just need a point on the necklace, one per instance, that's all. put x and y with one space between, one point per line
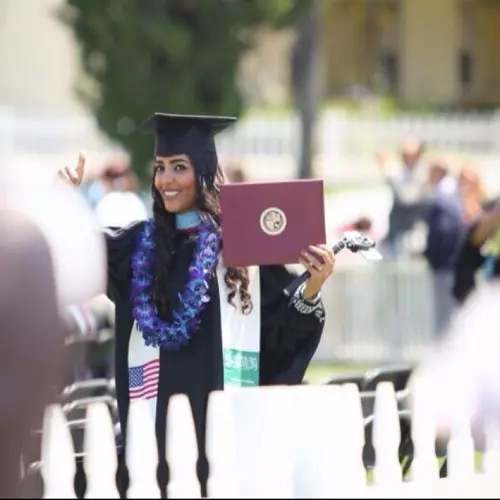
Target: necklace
186 317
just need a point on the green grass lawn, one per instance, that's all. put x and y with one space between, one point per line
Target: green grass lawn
333 189
320 370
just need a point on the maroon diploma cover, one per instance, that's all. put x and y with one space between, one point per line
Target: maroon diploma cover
271 222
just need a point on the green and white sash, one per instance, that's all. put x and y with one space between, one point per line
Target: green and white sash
240 345
240 333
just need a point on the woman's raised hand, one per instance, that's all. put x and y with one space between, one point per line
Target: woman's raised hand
319 260
74 176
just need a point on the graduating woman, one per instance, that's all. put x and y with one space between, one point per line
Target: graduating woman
184 323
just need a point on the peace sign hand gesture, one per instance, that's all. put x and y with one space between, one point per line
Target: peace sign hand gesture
74 176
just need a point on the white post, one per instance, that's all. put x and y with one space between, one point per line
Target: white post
354 437
461 447
141 452
100 453
221 448
386 436
181 449
425 466
263 419
7 127
317 435
58 455
491 459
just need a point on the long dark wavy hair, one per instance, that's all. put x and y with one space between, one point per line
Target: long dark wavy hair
236 279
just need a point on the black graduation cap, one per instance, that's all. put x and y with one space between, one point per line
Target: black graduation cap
187 134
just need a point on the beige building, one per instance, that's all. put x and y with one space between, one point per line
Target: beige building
39 68
441 52
422 51
38 59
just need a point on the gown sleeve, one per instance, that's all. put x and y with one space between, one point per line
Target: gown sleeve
120 245
290 329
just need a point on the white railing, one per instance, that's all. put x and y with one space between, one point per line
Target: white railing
273 442
338 135
457 132
397 319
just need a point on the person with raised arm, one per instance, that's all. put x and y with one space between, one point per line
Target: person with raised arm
179 310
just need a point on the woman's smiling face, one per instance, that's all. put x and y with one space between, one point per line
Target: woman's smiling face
175 180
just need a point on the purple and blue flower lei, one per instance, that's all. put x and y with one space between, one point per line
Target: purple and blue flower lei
186 317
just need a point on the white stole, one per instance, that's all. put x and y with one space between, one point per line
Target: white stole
240 345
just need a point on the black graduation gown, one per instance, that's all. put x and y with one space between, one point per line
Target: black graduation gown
289 339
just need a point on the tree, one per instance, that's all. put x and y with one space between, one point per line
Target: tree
304 82
180 56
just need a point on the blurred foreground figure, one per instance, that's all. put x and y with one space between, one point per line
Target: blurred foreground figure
461 379
31 357
69 226
47 262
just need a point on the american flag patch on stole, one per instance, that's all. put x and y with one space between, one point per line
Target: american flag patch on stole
143 380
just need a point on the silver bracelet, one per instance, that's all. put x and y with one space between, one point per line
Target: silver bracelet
303 305
314 300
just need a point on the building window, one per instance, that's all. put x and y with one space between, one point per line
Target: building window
466 68
389 66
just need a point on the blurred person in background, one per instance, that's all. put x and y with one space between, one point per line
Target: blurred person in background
407 187
440 180
32 355
472 192
459 381
94 189
445 230
122 204
479 250
39 246
146 194
234 172
92 325
362 224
